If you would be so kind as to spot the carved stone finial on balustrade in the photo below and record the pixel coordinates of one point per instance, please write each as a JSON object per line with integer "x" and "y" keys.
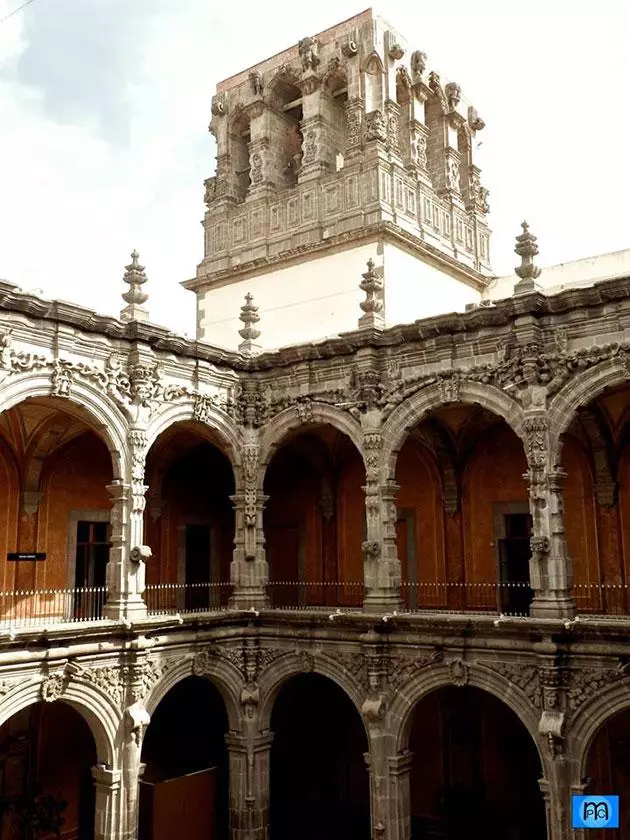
{"x": 372, "y": 306}
{"x": 250, "y": 317}
{"x": 526, "y": 249}
{"x": 134, "y": 297}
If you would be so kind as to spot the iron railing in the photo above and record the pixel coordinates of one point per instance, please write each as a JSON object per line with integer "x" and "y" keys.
{"x": 44, "y": 607}
{"x": 35, "y": 607}
{"x": 313, "y": 595}
{"x": 507, "y": 598}
{"x": 186, "y": 598}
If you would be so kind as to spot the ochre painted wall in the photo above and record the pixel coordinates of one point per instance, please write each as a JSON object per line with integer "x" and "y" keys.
{"x": 492, "y": 475}
{"x": 580, "y": 525}
{"x": 9, "y": 512}
{"x": 74, "y": 478}
{"x": 351, "y": 520}
{"x": 420, "y": 496}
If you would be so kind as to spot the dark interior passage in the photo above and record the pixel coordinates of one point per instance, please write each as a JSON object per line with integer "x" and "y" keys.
{"x": 465, "y": 780}
{"x": 319, "y": 778}
{"x": 187, "y": 735}
{"x": 46, "y": 757}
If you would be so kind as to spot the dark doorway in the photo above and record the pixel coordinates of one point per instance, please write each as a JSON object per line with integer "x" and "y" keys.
{"x": 475, "y": 770}
{"x": 47, "y": 750}
{"x": 198, "y": 568}
{"x": 319, "y": 778}
{"x": 185, "y": 738}
{"x": 515, "y": 593}
{"x": 608, "y": 771}
{"x": 90, "y": 568}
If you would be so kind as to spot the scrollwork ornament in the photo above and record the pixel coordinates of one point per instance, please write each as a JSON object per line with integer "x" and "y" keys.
{"x": 458, "y": 672}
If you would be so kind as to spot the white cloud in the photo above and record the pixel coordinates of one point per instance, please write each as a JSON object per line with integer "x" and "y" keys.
{"x": 549, "y": 82}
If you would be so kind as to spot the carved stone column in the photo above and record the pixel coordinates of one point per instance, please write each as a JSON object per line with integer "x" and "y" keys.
{"x": 249, "y": 785}
{"x": 136, "y": 720}
{"x": 127, "y": 555}
{"x": 557, "y": 797}
{"x": 392, "y": 118}
{"x": 381, "y": 563}
{"x": 126, "y": 566}
{"x": 354, "y": 128}
{"x": 400, "y": 793}
{"x": 550, "y": 568}
{"x": 314, "y": 151}
{"x": 107, "y": 811}
{"x": 249, "y": 569}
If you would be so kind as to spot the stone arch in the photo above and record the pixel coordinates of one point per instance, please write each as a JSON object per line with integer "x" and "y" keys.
{"x": 373, "y": 82}
{"x": 415, "y": 408}
{"x": 107, "y": 419}
{"x": 439, "y": 676}
{"x": 225, "y": 677}
{"x": 96, "y": 707}
{"x": 590, "y": 719}
{"x": 217, "y": 422}
{"x": 288, "y": 420}
{"x": 279, "y": 673}
{"x": 579, "y": 391}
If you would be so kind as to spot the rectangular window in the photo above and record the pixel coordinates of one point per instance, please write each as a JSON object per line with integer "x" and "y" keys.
{"x": 91, "y": 558}
{"x": 514, "y": 554}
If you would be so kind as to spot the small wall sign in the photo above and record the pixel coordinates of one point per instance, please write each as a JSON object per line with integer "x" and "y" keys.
{"x": 26, "y": 555}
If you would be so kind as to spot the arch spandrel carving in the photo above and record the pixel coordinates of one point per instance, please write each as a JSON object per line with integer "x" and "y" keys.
{"x": 92, "y": 703}
{"x": 217, "y": 422}
{"x": 582, "y": 389}
{"x": 432, "y": 397}
{"x": 475, "y": 675}
{"x": 102, "y": 413}
{"x": 223, "y": 674}
{"x": 292, "y": 664}
{"x": 305, "y": 413}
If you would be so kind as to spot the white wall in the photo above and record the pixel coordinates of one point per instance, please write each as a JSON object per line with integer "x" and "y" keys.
{"x": 414, "y": 289}
{"x": 568, "y": 275}
{"x": 321, "y": 297}
{"x": 306, "y": 302}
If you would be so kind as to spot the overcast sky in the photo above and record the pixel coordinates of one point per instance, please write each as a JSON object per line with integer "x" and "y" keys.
{"x": 104, "y": 107}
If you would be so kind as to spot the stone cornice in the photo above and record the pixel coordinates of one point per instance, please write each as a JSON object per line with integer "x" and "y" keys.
{"x": 500, "y": 314}
{"x": 386, "y": 231}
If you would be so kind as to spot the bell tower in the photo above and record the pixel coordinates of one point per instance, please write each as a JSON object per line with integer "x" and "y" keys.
{"x": 343, "y": 148}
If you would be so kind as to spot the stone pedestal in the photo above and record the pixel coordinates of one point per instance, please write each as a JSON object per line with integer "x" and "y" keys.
{"x": 400, "y": 796}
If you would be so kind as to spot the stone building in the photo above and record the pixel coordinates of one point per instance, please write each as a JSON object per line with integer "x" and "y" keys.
{"x": 370, "y": 582}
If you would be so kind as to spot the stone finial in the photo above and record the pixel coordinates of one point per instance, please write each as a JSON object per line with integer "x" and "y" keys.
{"x": 134, "y": 297}
{"x": 250, "y": 317}
{"x": 526, "y": 249}
{"x": 372, "y": 306}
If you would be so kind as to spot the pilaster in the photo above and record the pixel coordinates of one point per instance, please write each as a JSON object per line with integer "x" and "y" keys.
{"x": 249, "y": 757}
{"x": 400, "y": 796}
{"x": 107, "y": 811}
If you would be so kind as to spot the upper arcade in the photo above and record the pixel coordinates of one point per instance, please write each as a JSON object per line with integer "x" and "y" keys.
{"x": 346, "y": 146}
